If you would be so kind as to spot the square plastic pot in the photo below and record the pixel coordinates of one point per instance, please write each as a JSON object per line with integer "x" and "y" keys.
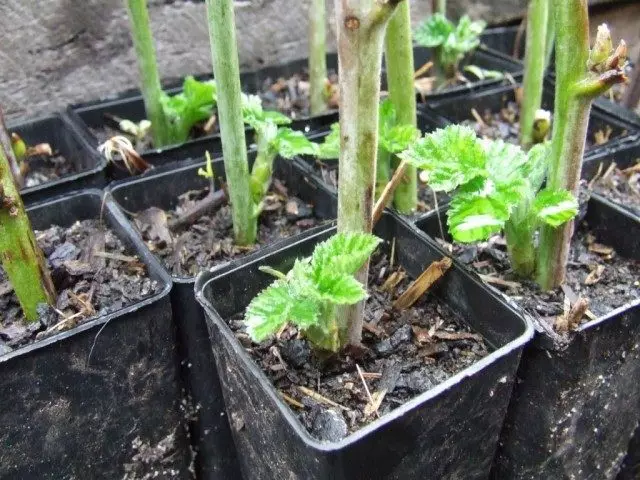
{"x": 457, "y": 109}
{"x": 503, "y": 40}
{"x": 576, "y": 403}
{"x": 210, "y": 431}
{"x": 72, "y": 404}
{"x": 57, "y": 131}
{"x": 447, "y": 432}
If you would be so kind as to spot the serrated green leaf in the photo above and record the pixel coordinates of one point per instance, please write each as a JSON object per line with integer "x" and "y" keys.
{"x": 340, "y": 289}
{"x": 467, "y": 34}
{"x": 271, "y": 309}
{"x": 276, "y": 117}
{"x": 450, "y": 157}
{"x": 398, "y": 138}
{"x": 289, "y": 143}
{"x": 555, "y": 207}
{"x": 506, "y": 161}
{"x": 344, "y": 253}
{"x": 434, "y": 31}
{"x": 387, "y": 117}
{"x": 474, "y": 218}
{"x": 537, "y": 163}
{"x": 184, "y": 110}
{"x": 329, "y": 149}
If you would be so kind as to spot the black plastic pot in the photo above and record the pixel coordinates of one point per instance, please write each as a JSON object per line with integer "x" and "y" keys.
{"x": 210, "y": 431}
{"x": 73, "y": 404}
{"x": 575, "y": 406}
{"x": 482, "y": 57}
{"x": 447, "y": 432}
{"x": 503, "y": 40}
{"x": 57, "y": 131}
{"x": 457, "y": 109}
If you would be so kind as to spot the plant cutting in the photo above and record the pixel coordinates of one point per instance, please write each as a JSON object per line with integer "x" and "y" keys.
{"x": 582, "y": 75}
{"x": 450, "y": 42}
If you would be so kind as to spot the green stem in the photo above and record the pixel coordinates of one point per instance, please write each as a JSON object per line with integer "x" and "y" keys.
{"x": 534, "y": 60}
{"x": 361, "y": 25}
{"x": 569, "y": 131}
{"x": 224, "y": 53}
{"x": 439, "y": 6}
{"x": 21, "y": 257}
{"x": 551, "y": 35}
{"x": 400, "y": 69}
{"x": 383, "y": 170}
{"x": 317, "y": 56}
{"x": 262, "y": 170}
{"x": 148, "y": 68}
{"x": 519, "y": 233}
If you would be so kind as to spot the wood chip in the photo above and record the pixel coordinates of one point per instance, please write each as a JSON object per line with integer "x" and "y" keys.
{"x": 369, "y": 327}
{"x": 444, "y": 335}
{"x": 601, "y": 249}
{"x": 291, "y": 401}
{"x": 422, "y": 283}
{"x": 570, "y": 321}
{"x": 393, "y": 280}
{"x": 423, "y": 69}
{"x": 374, "y": 403}
{"x": 499, "y": 281}
{"x": 421, "y": 334}
{"x": 319, "y": 398}
{"x": 595, "y": 275}
{"x": 632, "y": 170}
{"x": 478, "y": 118}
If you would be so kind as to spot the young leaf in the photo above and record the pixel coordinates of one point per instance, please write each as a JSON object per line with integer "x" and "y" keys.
{"x": 467, "y": 34}
{"x": 483, "y": 74}
{"x": 555, "y": 207}
{"x": 398, "y": 138}
{"x": 207, "y": 171}
{"x": 329, "y": 149}
{"x": 505, "y": 161}
{"x": 537, "y": 162}
{"x": 340, "y": 289}
{"x": 274, "y": 307}
{"x": 434, "y": 31}
{"x": 194, "y": 104}
{"x": 450, "y": 157}
{"x": 289, "y": 143}
{"x": 254, "y": 115}
{"x": 473, "y": 218}
{"x": 343, "y": 253}
{"x": 387, "y": 117}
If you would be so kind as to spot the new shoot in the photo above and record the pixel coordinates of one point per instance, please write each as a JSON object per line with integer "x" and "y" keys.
{"x": 495, "y": 186}
{"x": 309, "y": 294}
{"x": 449, "y": 42}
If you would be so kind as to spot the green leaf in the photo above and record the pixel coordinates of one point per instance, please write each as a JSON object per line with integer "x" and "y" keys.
{"x": 555, "y": 207}
{"x": 482, "y": 206}
{"x": 450, "y": 157}
{"x": 276, "y": 117}
{"x": 329, "y": 149}
{"x": 434, "y": 31}
{"x": 255, "y": 116}
{"x": 537, "y": 164}
{"x": 506, "y": 161}
{"x": 289, "y": 143}
{"x": 344, "y": 253}
{"x": 193, "y": 105}
{"x": 467, "y": 34}
{"x": 387, "y": 117}
{"x": 398, "y": 138}
{"x": 340, "y": 289}
{"x": 473, "y": 218}
{"x": 207, "y": 171}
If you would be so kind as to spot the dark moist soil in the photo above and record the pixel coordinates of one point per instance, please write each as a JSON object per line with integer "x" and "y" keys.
{"x": 291, "y": 95}
{"x": 93, "y": 274}
{"x": 43, "y": 169}
{"x": 406, "y": 354}
{"x": 594, "y": 272}
{"x": 621, "y": 187}
{"x": 505, "y": 125}
{"x": 209, "y": 241}
{"x": 328, "y": 172}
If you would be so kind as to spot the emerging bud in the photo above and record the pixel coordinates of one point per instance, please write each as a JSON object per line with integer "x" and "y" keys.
{"x": 18, "y": 146}
{"x": 601, "y": 50}
{"x": 541, "y": 125}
